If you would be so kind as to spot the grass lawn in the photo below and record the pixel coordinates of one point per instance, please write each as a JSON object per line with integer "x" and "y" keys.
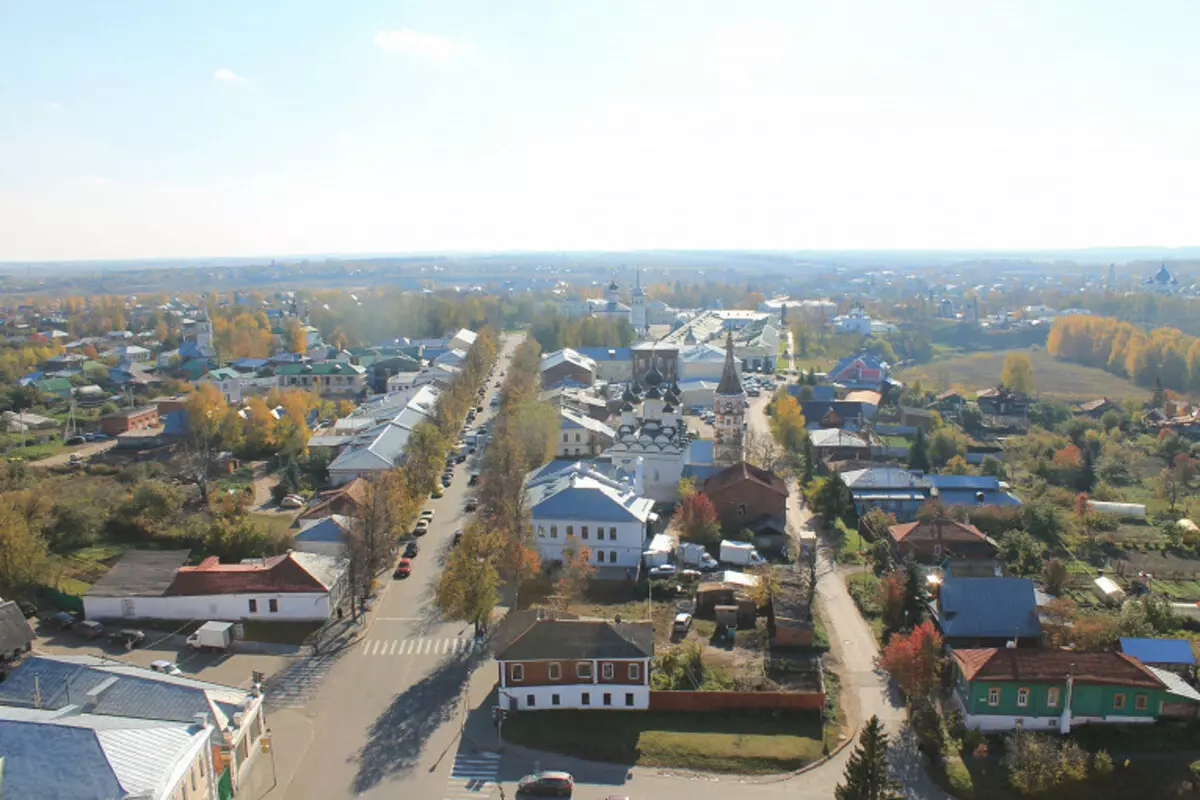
{"x": 1182, "y": 591}
{"x": 274, "y": 522}
{"x": 1056, "y": 380}
{"x": 35, "y": 452}
{"x": 236, "y": 481}
{"x": 279, "y": 632}
{"x": 738, "y": 742}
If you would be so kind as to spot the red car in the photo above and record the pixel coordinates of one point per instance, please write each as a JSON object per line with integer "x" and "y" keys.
{"x": 403, "y": 569}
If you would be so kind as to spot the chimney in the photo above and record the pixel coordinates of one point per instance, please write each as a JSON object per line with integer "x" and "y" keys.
{"x": 201, "y": 719}
{"x": 639, "y": 477}
{"x": 91, "y": 697}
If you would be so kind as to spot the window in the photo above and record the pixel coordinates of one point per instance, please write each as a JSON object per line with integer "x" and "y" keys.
{"x": 741, "y": 509}
{"x": 577, "y": 437}
{"x": 629, "y": 698}
{"x": 584, "y": 669}
{"x": 530, "y": 701}
{"x": 201, "y": 767}
{"x": 570, "y": 530}
{"x": 253, "y": 606}
{"x": 1118, "y": 700}
{"x": 583, "y": 531}
{"x": 566, "y": 437}
{"x": 554, "y": 700}
{"x": 273, "y": 605}
{"x": 542, "y": 531}
{"x": 937, "y": 550}
{"x": 608, "y": 698}
{"x": 606, "y": 671}
{"x": 994, "y": 696}
{"x": 599, "y": 556}
{"x": 635, "y": 672}
{"x": 612, "y": 556}
{"x": 1052, "y": 697}
{"x": 555, "y": 671}
{"x": 553, "y": 531}
{"x": 612, "y": 534}
{"x": 516, "y": 673}
{"x": 585, "y": 699}
{"x": 1141, "y": 702}
{"x": 1023, "y": 696}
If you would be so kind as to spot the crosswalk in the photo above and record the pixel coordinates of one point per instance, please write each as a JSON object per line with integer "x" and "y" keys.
{"x": 294, "y": 685}
{"x": 473, "y": 776}
{"x": 420, "y": 646}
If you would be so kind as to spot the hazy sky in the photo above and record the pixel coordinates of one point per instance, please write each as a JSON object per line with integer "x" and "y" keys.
{"x": 177, "y": 128}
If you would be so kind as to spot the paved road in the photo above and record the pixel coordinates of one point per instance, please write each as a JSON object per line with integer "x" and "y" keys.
{"x": 383, "y": 717}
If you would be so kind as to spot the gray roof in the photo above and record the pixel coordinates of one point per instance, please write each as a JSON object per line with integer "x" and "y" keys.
{"x": 15, "y": 632}
{"x": 56, "y": 754}
{"x": 140, "y": 573}
{"x": 1176, "y": 685}
{"x": 323, "y": 529}
{"x": 550, "y": 639}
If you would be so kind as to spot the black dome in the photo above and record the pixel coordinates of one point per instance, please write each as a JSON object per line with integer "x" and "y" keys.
{"x": 653, "y": 376}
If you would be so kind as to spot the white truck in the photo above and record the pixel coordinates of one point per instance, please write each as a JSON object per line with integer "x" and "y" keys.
{"x": 214, "y": 635}
{"x": 741, "y": 554}
{"x": 694, "y": 555}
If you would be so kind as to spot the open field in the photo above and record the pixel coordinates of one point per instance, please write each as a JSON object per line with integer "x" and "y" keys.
{"x": 742, "y": 742}
{"x": 1056, "y": 380}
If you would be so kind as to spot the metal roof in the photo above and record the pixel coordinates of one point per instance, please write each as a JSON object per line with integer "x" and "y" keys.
{"x": 140, "y": 573}
{"x": 988, "y": 608}
{"x": 579, "y": 492}
{"x": 1159, "y": 651}
{"x": 15, "y": 632}
{"x": 550, "y": 639}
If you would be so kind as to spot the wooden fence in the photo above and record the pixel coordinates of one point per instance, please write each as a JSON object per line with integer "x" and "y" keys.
{"x": 736, "y": 701}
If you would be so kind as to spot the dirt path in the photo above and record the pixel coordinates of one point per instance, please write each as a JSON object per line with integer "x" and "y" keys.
{"x": 84, "y": 451}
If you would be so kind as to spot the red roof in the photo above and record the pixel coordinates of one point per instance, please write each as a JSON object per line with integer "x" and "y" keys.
{"x": 946, "y": 530}
{"x": 275, "y": 574}
{"x": 1053, "y": 666}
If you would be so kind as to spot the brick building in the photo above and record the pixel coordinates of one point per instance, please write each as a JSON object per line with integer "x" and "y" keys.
{"x": 130, "y": 419}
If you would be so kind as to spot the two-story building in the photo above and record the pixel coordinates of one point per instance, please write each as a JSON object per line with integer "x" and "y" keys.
{"x": 567, "y": 367}
{"x": 580, "y": 507}
{"x": 327, "y": 377}
{"x": 581, "y": 436}
{"x": 577, "y": 664}
{"x": 936, "y": 540}
{"x": 999, "y": 689}
{"x": 129, "y": 419}
{"x": 749, "y": 498}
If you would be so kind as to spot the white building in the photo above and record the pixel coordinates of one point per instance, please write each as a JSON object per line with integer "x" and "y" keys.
{"x": 653, "y": 432}
{"x": 579, "y": 507}
{"x": 381, "y": 430}
{"x": 154, "y": 585}
{"x": 702, "y": 362}
{"x": 581, "y": 436}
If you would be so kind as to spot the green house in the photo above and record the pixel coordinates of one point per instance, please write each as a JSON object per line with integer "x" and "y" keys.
{"x": 1001, "y": 688}
{"x": 59, "y": 387}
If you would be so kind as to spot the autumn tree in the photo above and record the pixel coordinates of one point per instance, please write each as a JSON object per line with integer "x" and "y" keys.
{"x": 468, "y": 588}
{"x": 294, "y": 337}
{"x": 912, "y": 660}
{"x": 23, "y": 553}
{"x": 1055, "y": 575}
{"x": 891, "y": 599}
{"x": 1017, "y": 373}
{"x": 787, "y": 422}
{"x": 698, "y": 521}
{"x": 577, "y": 571}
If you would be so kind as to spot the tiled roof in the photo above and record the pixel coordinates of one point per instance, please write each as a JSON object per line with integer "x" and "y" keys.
{"x": 1051, "y": 666}
{"x": 581, "y": 639}
{"x": 140, "y": 573}
{"x": 944, "y": 530}
{"x": 742, "y": 472}
{"x": 290, "y": 572}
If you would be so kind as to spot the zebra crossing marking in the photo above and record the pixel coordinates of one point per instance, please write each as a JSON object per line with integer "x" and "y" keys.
{"x": 472, "y": 776}
{"x": 420, "y": 646}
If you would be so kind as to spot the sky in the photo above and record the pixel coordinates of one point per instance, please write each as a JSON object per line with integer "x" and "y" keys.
{"x": 189, "y": 128}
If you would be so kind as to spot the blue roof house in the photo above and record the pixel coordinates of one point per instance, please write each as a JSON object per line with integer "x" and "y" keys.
{"x": 1175, "y": 655}
{"x": 988, "y": 612}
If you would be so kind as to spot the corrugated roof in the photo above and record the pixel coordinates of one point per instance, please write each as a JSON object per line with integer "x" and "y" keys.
{"x": 1034, "y": 665}
{"x": 988, "y": 608}
{"x": 1159, "y": 651}
{"x": 943, "y": 530}
{"x": 1176, "y": 685}
{"x": 323, "y": 529}
{"x": 15, "y": 632}
{"x": 581, "y": 639}
{"x": 140, "y": 573}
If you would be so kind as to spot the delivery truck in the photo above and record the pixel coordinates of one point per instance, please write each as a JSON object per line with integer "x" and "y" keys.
{"x": 214, "y": 635}
{"x": 740, "y": 554}
{"x": 695, "y": 556}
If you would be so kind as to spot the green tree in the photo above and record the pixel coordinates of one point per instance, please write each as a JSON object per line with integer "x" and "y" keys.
{"x": 918, "y": 454}
{"x": 468, "y": 587}
{"x": 914, "y": 593}
{"x": 1038, "y": 764}
{"x": 1021, "y": 552}
{"x": 866, "y": 776}
{"x": 1055, "y": 576}
{"x": 832, "y": 498}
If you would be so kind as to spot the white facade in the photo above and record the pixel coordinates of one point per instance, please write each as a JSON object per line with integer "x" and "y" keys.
{"x": 571, "y": 697}
{"x": 231, "y": 387}
{"x": 613, "y": 544}
{"x": 290, "y": 606}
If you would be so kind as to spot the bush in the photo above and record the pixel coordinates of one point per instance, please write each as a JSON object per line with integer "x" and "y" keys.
{"x": 1102, "y": 764}
{"x": 959, "y": 777}
{"x": 995, "y": 521}
{"x": 864, "y": 590}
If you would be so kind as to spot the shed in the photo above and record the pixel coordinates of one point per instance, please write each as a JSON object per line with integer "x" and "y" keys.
{"x": 1173, "y": 654}
{"x": 15, "y": 634}
{"x": 1108, "y": 590}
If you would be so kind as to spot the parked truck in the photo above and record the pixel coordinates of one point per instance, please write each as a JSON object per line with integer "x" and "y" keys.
{"x": 694, "y": 555}
{"x": 214, "y": 635}
{"x": 741, "y": 554}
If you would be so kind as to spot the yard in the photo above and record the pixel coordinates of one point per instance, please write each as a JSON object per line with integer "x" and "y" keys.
{"x": 1056, "y": 380}
{"x": 736, "y": 742}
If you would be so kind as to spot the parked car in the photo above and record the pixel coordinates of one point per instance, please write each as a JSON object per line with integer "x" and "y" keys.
{"x": 403, "y": 569}
{"x": 89, "y": 629}
{"x": 437, "y": 493}
{"x": 61, "y": 620}
{"x": 76, "y": 439}
{"x": 27, "y": 608}
{"x": 292, "y": 501}
{"x": 472, "y": 504}
{"x": 683, "y": 621}
{"x": 165, "y": 667}
{"x": 127, "y": 637}
{"x": 421, "y": 528}
{"x": 427, "y": 515}
{"x": 411, "y": 550}
{"x": 663, "y": 571}
{"x": 754, "y": 391}
{"x": 474, "y": 479}
{"x": 447, "y": 479}
{"x": 547, "y": 784}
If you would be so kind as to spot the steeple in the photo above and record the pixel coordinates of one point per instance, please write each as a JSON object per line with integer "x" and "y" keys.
{"x": 730, "y": 382}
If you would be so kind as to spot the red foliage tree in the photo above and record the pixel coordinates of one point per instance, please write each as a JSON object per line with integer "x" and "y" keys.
{"x": 912, "y": 659}
{"x": 891, "y": 599}
{"x": 698, "y": 521}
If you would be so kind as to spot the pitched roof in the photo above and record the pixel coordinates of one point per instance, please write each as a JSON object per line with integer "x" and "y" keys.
{"x": 988, "y": 608}
{"x": 578, "y": 492}
{"x": 320, "y": 368}
{"x": 551, "y": 360}
{"x": 1159, "y": 651}
{"x": 742, "y": 472}
{"x": 836, "y": 437}
{"x": 581, "y": 639}
{"x": 15, "y": 632}
{"x": 332, "y": 528}
{"x": 730, "y": 383}
{"x": 140, "y": 573}
{"x": 941, "y": 530}
{"x": 291, "y": 572}
{"x": 1053, "y": 666}
{"x": 1176, "y": 685}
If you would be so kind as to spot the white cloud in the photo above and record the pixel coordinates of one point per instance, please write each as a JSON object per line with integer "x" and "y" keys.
{"x": 226, "y": 75}
{"x": 426, "y": 46}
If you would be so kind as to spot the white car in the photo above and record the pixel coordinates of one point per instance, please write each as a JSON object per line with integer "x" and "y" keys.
{"x": 165, "y": 667}
{"x": 292, "y": 501}
{"x": 663, "y": 571}
{"x": 683, "y": 621}
{"x": 427, "y": 515}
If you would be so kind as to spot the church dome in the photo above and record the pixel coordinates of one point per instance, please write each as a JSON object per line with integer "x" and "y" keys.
{"x": 653, "y": 376}
{"x": 654, "y": 394}
{"x": 629, "y": 396}
{"x": 626, "y": 407}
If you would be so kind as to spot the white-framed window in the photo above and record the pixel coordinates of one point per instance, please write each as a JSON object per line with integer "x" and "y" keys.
{"x": 583, "y": 669}
{"x": 1052, "y": 697}
{"x": 516, "y": 672}
{"x": 635, "y": 672}
{"x": 994, "y": 696}
{"x": 570, "y": 530}
{"x": 612, "y": 556}
{"x": 583, "y": 531}
{"x": 606, "y": 671}
{"x": 553, "y": 531}
{"x": 612, "y": 534}
{"x": 542, "y": 531}
{"x": 555, "y": 671}
{"x": 1023, "y": 697}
